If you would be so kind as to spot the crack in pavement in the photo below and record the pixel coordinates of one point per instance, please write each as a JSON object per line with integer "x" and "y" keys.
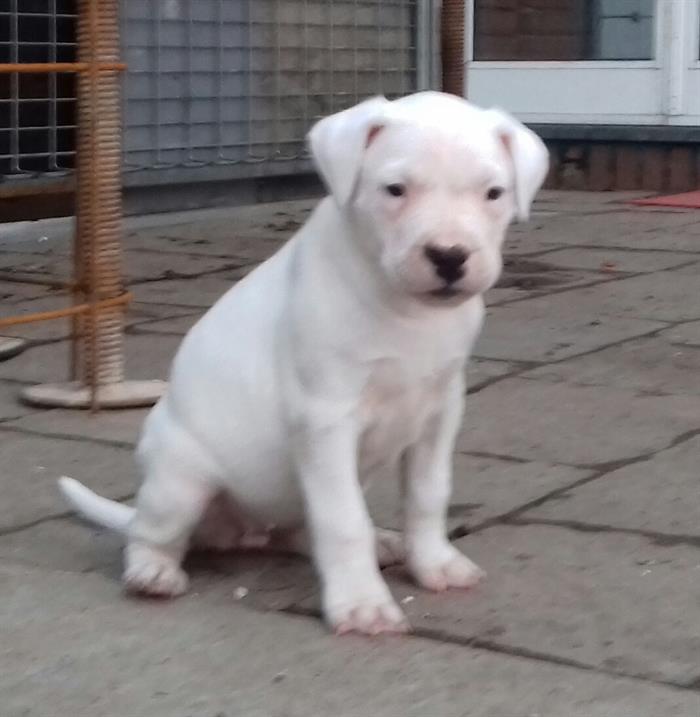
{"x": 64, "y": 515}
{"x": 656, "y": 537}
{"x": 600, "y": 470}
{"x": 481, "y": 644}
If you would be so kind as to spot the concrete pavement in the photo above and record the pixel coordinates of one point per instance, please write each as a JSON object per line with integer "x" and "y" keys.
{"x": 576, "y": 489}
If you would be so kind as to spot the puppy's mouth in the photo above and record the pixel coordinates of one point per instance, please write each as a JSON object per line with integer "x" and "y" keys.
{"x": 447, "y": 292}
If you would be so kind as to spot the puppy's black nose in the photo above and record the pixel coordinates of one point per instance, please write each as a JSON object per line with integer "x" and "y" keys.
{"x": 448, "y": 262}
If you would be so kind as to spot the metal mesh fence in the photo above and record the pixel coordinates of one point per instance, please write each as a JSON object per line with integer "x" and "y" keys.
{"x": 37, "y": 111}
{"x": 214, "y": 88}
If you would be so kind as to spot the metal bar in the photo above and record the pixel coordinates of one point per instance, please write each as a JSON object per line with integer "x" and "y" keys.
{"x": 38, "y": 68}
{"x": 39, "y": 316}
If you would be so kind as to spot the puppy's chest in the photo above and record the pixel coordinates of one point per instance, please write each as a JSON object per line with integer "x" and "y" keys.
{"x": 395, "y": 406}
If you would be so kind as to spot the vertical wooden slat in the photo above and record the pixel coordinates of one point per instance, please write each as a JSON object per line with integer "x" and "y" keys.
{"x": 654, "y": 168}
{"x": 628, "y": 162}
{"x": 600, "y": 168}
{"x": 681, "y": 169}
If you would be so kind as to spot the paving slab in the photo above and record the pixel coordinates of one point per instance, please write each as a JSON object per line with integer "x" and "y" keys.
{"x": 636, "y": 229}
{"x": 208, "y": 656}
{"x": 147, "y": 357}
{"x": 137, "y": 265}
{"x": 480, "y": 370}
{"x": 661, "y": 296}
{"x": 687, "y": 334}
{"x": 659, "y": 495}
{"x": 258, "y": 580}
{"x": 576, "y": 425}
{"x": 61, "y": 328}
{"x": 483, "y": 488}
{"x": 222, "y": 242}
{"x": 586, "y": 597}
{"x": 525, "y": 276}
{"x": 31, "y": 465}
{"x": 556, "y": 327}
{"x": 10, "y": 407}
{"x": 650, "y": 365}
{"x": 202, "y": 292}
{"x": 14, "y": 292}
{"x": 615, "y": 261}
{"x": 118, "y": 427}
{"x": 178, "y": 326}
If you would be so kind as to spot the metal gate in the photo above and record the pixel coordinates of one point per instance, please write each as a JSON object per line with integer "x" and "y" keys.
{"x": 215, "y": 89}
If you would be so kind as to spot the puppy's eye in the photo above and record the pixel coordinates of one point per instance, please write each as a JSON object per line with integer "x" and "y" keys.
{"x": 396, "y": 190}
{"x": 494, "y": 193}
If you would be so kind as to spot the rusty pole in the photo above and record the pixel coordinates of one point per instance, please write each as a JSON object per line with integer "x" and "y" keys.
{"x": 452, "y": 46}
{"x": 98, "y": 341}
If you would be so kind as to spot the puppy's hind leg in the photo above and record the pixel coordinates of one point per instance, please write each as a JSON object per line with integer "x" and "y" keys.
{"x": 170, "y": 504}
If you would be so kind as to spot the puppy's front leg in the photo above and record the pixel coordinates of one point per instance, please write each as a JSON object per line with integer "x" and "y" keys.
{"x": 355, "y": 596}
{"x": 434, "y": 562}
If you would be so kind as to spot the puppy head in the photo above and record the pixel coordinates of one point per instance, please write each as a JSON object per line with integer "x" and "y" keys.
{"x": 433, "y": 182}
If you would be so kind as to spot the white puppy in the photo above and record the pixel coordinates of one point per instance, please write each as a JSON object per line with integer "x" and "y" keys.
{"x": 341, "y": 356}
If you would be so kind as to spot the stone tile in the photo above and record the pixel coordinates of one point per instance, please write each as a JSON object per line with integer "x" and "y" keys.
{"x": 143, "y": 265}
{"x": 14, "y": 292}
{"x": 10, "y": 406}
{"x": 628, "y": 228}
{"x": 122, "y": 426}
{"x": 31, "y": 465}
{"x": 290, "y": 666}
{"x": 201, "y": 292}
{"x": 138, "y": 265}
{"x": 684, "y": 334}
{"x": 651, "y": 365}
{"x": 272, "y": 581}
{"x": 483, "y": 488}
{"x": 576, "y": 425}
{"x": 179, "y": 326}
{"x": 526, "y": 276}
{"x": 61, "y": 328}
{"x": 662, "y": 296}
{"x": 218, "y": 241}
{"x": 607, "y": 261}
{"x": 480, "y": 370}
{"x": 147, "y": 357}
{"x": 552, "y": 328}
{"x": 658, "y": 495}
{"x": 614, "y": 602}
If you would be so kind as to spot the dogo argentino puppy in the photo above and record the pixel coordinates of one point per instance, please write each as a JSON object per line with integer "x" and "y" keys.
{"x": 341, "y": 356}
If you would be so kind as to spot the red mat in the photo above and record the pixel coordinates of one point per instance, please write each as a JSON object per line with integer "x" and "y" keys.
{"x": 687, "y": 200}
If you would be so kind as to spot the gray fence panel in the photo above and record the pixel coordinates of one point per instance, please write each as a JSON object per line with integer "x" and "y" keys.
{"x": 228, "y": 88}
{"x": 216, "y": 89}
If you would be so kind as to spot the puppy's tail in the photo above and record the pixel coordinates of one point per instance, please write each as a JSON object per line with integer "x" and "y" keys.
{"x": 95, "y": 508}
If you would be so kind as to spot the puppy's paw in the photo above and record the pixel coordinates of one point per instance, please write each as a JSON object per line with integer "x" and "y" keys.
{"x": 368, "y": 617}
{"x": 390, "y": 548}
{"x": 450, "y": 570}
{"x": 155, "y": 574}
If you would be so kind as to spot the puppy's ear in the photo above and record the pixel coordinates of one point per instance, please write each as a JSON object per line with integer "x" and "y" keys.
{"x": 529, "y": 156}
{"x": 338, "y": 143}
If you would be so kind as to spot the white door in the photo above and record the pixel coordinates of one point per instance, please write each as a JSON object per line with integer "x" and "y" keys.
{"x": 586, "y": 61}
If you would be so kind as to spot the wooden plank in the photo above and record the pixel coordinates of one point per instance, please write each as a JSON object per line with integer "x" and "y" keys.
{"x": 628, "y": 166}
{"x": 681, "y": 169}
{"x": 654, "y": 168}
{"x": 600, "y": 167}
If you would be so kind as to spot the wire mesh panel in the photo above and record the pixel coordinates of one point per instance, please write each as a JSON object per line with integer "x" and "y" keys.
{"x": 37, "y": 111}
{"x": 216, "y": 86}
